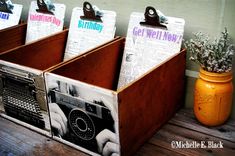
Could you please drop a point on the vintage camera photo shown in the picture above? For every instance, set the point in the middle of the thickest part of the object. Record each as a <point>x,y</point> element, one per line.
<point>85,122</point>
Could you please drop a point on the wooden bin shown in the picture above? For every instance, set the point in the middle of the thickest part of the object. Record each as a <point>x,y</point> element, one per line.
<point>12,37</point>
<point>23,68</point>
<point>138,109</point>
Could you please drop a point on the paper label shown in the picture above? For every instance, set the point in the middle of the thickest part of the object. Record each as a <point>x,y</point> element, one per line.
<point>148,46</point>
<point>41,24</point>
<point>85,35</point>
<point>8,20</point>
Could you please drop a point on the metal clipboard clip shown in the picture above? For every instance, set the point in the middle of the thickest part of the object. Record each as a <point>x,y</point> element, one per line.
<point>4,7</point>
<point>89,13</point>
<point>43,7</point>
<point>152,18</point>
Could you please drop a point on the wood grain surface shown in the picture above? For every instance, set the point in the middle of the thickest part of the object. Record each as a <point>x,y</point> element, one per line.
<point>40,54</point>
<point>12,37</point>
<point>16,140</point>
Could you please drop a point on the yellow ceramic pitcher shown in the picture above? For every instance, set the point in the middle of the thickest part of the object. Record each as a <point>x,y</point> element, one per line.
<point>213,97</point>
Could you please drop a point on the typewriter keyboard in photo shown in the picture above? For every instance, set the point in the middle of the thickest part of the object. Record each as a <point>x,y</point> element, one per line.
<point>20,103</point>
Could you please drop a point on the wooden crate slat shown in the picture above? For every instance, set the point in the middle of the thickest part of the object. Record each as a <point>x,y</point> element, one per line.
<point>153,150</point>
<point>170,133</point>
<point>188,112</point>
<point>18,140</point>
<point>224,131</point>
<point>41,55</point>
<point>150,102</point>
<point>12,37</point>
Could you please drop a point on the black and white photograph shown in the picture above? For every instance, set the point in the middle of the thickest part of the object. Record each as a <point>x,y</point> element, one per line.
<point>83,116</point>
<point>23,99</point>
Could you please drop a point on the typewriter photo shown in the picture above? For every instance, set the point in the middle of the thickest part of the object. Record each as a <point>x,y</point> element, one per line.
<point>21,99</point>
<point>85,119</point>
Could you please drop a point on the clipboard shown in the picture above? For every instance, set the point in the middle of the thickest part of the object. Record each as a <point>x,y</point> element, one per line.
<point>44,21</point>
<point>9,16</point>
<point>149,42</point>
<point>88,29</point>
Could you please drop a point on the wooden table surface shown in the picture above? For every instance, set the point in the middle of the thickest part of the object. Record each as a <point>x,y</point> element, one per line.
<point>16,140</point>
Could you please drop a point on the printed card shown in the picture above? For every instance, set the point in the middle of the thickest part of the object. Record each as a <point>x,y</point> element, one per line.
<point>42,24</point>
<point>8,20</point>
<point>85,34</point>
<point>148,46</point>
